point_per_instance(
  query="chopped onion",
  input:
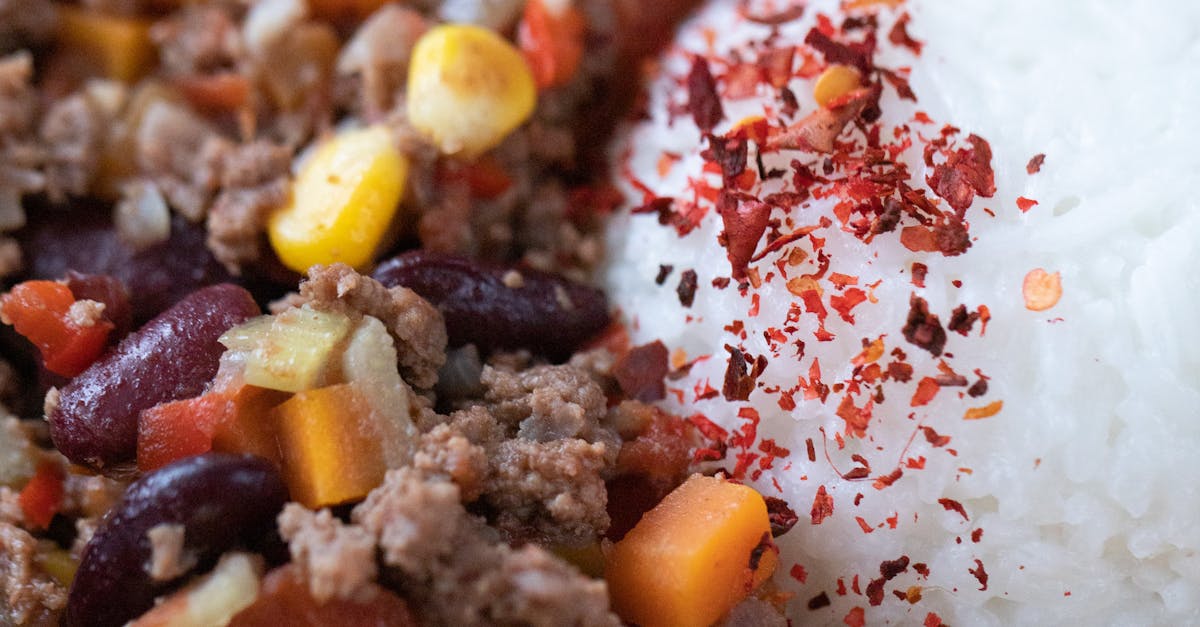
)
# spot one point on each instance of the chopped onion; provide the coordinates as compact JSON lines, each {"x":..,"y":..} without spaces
{"x":142,"y":216}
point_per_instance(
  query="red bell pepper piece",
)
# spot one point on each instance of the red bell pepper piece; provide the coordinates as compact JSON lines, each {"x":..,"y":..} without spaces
{"x":42,"y":496}
{"x":41,"y":312}
{"x":552,"y":43}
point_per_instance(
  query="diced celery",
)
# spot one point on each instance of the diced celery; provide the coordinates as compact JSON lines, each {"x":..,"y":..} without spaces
{"x":290,"y":351}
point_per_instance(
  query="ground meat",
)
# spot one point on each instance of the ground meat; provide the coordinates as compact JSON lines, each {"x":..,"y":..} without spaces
{"x":552,"y":492}
{"x":89,"y":495}
{"x":73,"y":130}
{"x":11,"y":262}
{"x":27,"y":596}
{"x":416,"y":325}
{"x":447,"y":452}
{"x":168,"y":560}
{"x":20,"y":156}
{"x":452,"y":569}
{"x":85,"y":528}
{"x":85,"y":313}
{"x":182,"y":154}
{"x":254,"y":181}
{"x":25,"y":22}
{"x":545,"y":403}
{"x":200,"y":39}
{"x":338,"y":560}
{"x":10,"y":507}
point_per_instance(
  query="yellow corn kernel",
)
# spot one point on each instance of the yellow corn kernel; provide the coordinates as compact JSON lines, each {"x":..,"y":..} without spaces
{"x":342,"y":202}
{"x":121,"y":45}
{"x":468,"y":88}
{"x":835,"y":81}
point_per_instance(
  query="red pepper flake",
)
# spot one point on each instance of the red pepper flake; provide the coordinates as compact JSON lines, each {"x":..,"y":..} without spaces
{"x":862,"y":523}
{"x":822,"y":506}
{"x":1025,"y":204}
{"x":819,"y":130}
{"x":961,"y":320}
{"x":1041,"y":289}
{"x":857,"y":418}
{"x":745,"y":222}
{"x":841,"y":588}
{"x":987,"y":411}
{"x":709,"y":429}
{"x":932,"y":620}
{"x":891,"y":568}
{"x":782,"y":517}
{"x":966,"y":172}
{"x":899,"y":35}
{"x":664,"y":271}
{"x":977,"y":389}
{"x":42,"y":496}
{"x":923,"y":328}
{"x":703,"y":102}
{"x":883,"y":481}
{"x":933,"y":438}
{"x":741,"y":374}
{"x":919,"y":270}
{"x":927,"y":388}
{"x":977,"y":535}
{"x":818,"y":602}
{"x":875,"y":592}
{"x":687,"y":288}
{"x":952,"y":505}
{"x":899,"y":371}
{"x":980,"y":574}
{"x":856,"y":617}
{"x":812,"y":450}
{"x":922,"y":569}
{"x":1035,"y":164}
{"x":798,"y":573}
{"x":844,"y":304}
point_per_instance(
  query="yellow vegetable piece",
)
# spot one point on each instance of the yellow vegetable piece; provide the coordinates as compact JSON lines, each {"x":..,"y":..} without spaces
{"x":835,"y":81}
{"x":121,"y":45}
{"x":290,"y":351}
{"x":468,"y":88}
{"x":331,"y":452}
{"x":689,"y":560}
{"x":59,"y":564}
{"x":342,"y":202}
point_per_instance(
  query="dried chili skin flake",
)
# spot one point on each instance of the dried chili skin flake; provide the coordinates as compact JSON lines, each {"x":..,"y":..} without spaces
{"x":966,"y":173}
{"x":703,"y":102}
{"x":987,"y":411}
{"x":640,"y":372}
{"x":664,"y":271}
{"x":819,"y":130}
{"x":819,"y":601}
{"x":1025,"y":204}
{"x":782,"y":517}
{"x":952,"y":505}
{"x":745,"y":221}
{"x":822,"y":506}
{"x":932,"y":620}
{"x":980,"y":575}
{"x":741,"y":374}
{"x":890,"y":568}
{"x":875,"y":592}
{"x":856,"y":617}
{"x":961,"y":320}
{"x":934,"y":438}
{"x":687,"y":288}
{"x":729,"y":152}
{"x":1035,"y":164}
{"x":922,"y":328}
{"x":899,"y":35}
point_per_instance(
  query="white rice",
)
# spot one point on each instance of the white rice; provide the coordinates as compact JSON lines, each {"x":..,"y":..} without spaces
{"x":1086,"y":483}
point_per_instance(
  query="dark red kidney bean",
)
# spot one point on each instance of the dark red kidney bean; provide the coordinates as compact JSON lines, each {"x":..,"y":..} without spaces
{"x":85,"y":240}
{"x":172,"y":357}
{"x":109,"y":290}
{"x":547,"y":313}
{"x":220,"y":500}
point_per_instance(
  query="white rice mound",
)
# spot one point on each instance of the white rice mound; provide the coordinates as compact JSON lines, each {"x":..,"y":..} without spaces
{"x":1086,"y":484}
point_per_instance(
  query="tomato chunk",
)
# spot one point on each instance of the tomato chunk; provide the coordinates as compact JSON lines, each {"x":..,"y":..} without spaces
{"x":41,"y":311}
{"x":552,"y":43}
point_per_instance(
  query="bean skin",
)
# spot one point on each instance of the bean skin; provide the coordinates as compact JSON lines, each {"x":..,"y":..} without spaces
{"x":172,"y":357}
{"x":543,"y":312}
{"x":86,"y":241}
{"x":111,"y":292}
{"x":220,"y":500}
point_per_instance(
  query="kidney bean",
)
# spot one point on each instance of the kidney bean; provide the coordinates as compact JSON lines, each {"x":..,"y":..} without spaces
{"x":172,"y":357}
{"x":220,"y":500}
{"x":542,"y":312}
{"x":85,"y":240}
{"x":105,"y":289}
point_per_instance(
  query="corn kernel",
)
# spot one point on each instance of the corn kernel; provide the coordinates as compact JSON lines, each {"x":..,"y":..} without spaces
{"x":342,"y":202}
{"x":468,"y":88}
{"x":835,"y":81}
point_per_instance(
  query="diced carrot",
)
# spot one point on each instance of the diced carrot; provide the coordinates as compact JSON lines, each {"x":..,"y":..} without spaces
{"x":701,"y":551}
{"x":331,"y":452}
{"x":285,"y":600}
{"x":41,"y":312}
{"x":42,"y":496}
{"x":120,"y":44}
{"x":551,"y":42}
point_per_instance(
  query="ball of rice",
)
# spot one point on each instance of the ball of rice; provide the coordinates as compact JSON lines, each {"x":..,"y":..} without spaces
{"x":1040,"y":468}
